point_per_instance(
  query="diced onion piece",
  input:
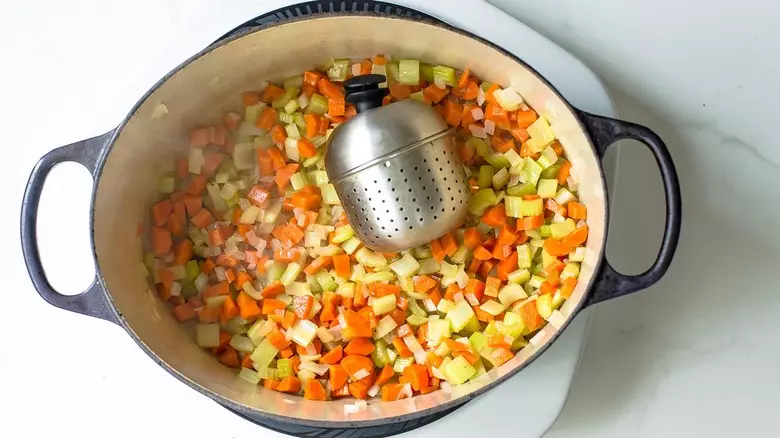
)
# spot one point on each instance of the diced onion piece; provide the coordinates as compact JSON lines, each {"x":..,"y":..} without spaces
{"x":175,"y":289}
{"x":385,"y":304}
{"x":490,"y":127}
{"x":386,"y":325}
{"x":406,"y":392}
{"x":439,"y":82}
{"x":361,"y":374}
{"x":318,"y":369}
{"x":373,"y":390}
{"x":291,"y":148}
{"x":478,"y":114}
{"x":480,"y":96}
{"x":508,"y":98}
{"x":196,"y":161}
{"x":406,"y":266}
{"x":201,"y":282}
{"x":477,"y":131}
{"x":492,"y":307}
{"x":221,"y":275}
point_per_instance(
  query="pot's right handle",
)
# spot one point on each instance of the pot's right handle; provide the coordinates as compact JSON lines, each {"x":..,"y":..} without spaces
{"x":605,"y":132}
{"x":92,"y":301}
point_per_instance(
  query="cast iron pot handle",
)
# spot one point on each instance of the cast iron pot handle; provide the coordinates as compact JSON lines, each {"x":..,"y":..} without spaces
{"x":605,"y":132}
{"x":92,"y":301}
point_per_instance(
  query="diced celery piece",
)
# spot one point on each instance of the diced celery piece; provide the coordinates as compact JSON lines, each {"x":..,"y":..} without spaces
{"x":303,"y":332}
{"x":513,"y":158}
{"x":319,"y":177}
{"x":571,"y":270}
{"x":298,"y":181}
{"x":480,"y":146}
{"x":492,"y":307}
{"x":418,"y":96}
{"x":422,"y":252}
{"x":547,"y":188}
{"x":428,"y":266}
{"x":481,"y":200}
{"x":275,"y":271}
{"x":272,"y":212}
{"x":477,"y":340}
{"x":249,"y":375}
{"x":521,"y":189}
{"x":281,"y":101}
{"x":207,"y":335}
{"x":560,"y":230}
{"x":500,"y":179}
{"x":460,"y":315}
{"x":557,"y":300}
{"x":426,"y":72}
{"x":532,"y":207}
{"x":284,"y":368}
{"x":535,"y":281}
{"x":406,"y":266}
{"x":264,"y":354}
{"x":262,"y":142}
{"x":343,"y":233}
{"x":216,"y":301}
{"x":290,"y":108}
{"x":442,"y":350}
{"x":552,"y":171}
{"x":192,"y":270}
{"x":497,"y":160}
{"x":351,"y":245}
{"x":166,"y":184}
{"x":511,"y":293}
{"x":268,"y":373}
{"x":290,"y":273}
{"x":252,"y":113}
{"x":519,"y":276}
{"x":472,"y":326}
{"x":409,"y":72}
{"x":485,"y":178}
{"x":541,"y":134}
{"x":462,"y":255}
{"x":544,"y":231}
{"x":564,"y":196}
{"x":416,"y":320}
{"x":480,"y":367}
{"x":385,"y":304}
{"x":379,"y":355}
{"x":299,"y":120}
{"x":244,"y":156}
{"x":402,"y":362}
{"x":490,"y":329}
{"x":550,"y":154}
{"x":346,"y":290}
{"x":544,"y":306}
{"x":438,"y":330}
{"x":293,"y":82}
{"x":445,"y":306}
{"x":314,"y":285}
{"x":447,"y":74}
{"x":329,"y":196}
{"x":292,"y":131}
{"x":386,"y":325}
{"x":536,"y":270}
{"x":318,"y":104}
{"x":544,"y":162}
{"x":256,"y":333}
{"x":326,"y":281}
{"x":532,"y":171}
{"x":392,"y":72}
{"x":313,"y":161}
{"x":407,"y":285}
{"x":458,"y":371}
{"x":242,"y":343}
{"x":338,"y":71}
{"x":250,"y":215}
{"x":369,"y":258}
{"x":448,"y":270}
{"x":513,"y":206}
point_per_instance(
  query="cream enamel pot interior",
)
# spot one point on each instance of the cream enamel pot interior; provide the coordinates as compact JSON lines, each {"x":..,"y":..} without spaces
{"x":126,"y":162}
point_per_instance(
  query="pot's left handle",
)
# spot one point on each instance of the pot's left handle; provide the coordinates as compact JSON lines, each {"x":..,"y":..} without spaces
{"x":92,"y":301}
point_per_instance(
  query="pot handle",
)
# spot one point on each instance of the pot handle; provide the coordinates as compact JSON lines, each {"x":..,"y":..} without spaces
{"x":605,"y":132}
{"x":93,"y":301}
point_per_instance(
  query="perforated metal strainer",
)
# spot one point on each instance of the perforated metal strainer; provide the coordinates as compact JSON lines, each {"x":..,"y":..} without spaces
{"x":395,"y":170}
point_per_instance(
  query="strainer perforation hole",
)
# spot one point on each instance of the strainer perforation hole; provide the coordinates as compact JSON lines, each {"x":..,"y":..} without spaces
{"x":383,"y":201}
{"x":419,"y":178}
{"x":387,"y":211}
{"x":410,"y":190}
{"x":396,"y":230}
{"x":445,"y":178}
{"x":429,"y":170}
{"x":369,"y":199}
{"x":406,"y":180}
{"x":402,"y":209}
{"x":437,"y":158}
{"x":398,"y":199}
{"x":389,"y":236}
{"x":428,"y":198}
{"x":453,"y":208}
{"x":391,"y":221}
{"x":449,"y":188}
{"x":354,"y":190}
{"x":437,"y":189}
{"x":365,"y":189}
{"x":379,"y":191}
{"x":461,"y":201}
{"x":442,"y":210}
{"x":389,"y":179}
{"x":421,"y":219}
{"x":402,"y":171}
{"x":415,"y":168}
{"x":425,"y":160}
{"x":418,"y":210}
{"x":375,"y":181}
{"x":452,"y":172}
{"x":435,"y":217}
{"x":410,"y":227}
{"x":383,"y":227}
{"x":373,"y":208}
{"x":431,"y":207}
{"x":406,"y":218}
{"x":414,"y":199}
{"x":452,"y":198}
{"x":441,"y":199}
{"x":440,"y":169}
{"x":393,"y":189}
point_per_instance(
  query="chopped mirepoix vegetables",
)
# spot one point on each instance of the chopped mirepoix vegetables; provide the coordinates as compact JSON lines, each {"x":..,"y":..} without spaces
{"x":248,"y":241}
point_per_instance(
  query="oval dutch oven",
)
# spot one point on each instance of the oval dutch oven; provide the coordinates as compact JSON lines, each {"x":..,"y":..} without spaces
{"x":126,"y":162}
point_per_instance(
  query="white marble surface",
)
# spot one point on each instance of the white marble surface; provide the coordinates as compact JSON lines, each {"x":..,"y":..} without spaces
{"x":693,"y":356}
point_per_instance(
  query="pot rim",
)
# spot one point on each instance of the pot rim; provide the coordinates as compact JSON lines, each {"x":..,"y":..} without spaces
{"x":249,"y":410}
